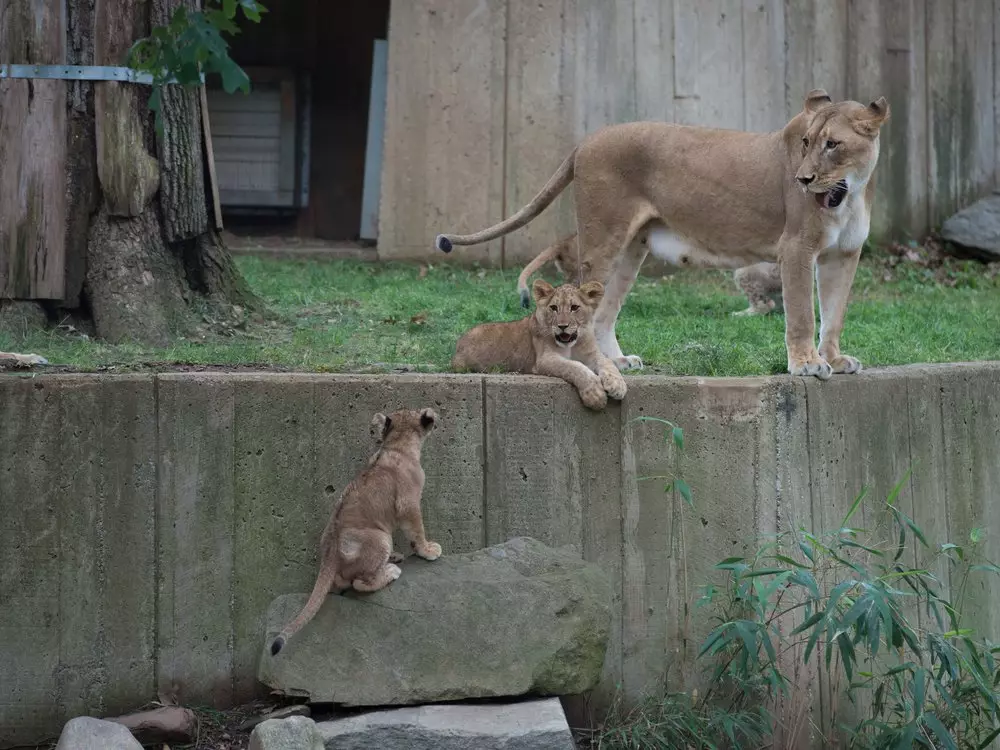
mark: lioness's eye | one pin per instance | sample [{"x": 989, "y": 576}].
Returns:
[
  {"x": 554, "y": 308},
  {"x": 574, "y": 308},
  {"x": 832, "y": 145}
]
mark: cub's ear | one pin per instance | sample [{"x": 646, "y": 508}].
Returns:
[
  {"x": 380, "y": 425},
  {"x": 816, "y": 99},
  {"x": 541, "y": 290},
  {"x": 428, "y": 419},
  {"x": 592, "y": 292},
  {"x": 875, "y": 115}
]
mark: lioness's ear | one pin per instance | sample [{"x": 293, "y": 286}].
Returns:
[
  {"x": 428, "y": 418},
  {"x": 816, "y": 99},
  {"x": 875, "y": 116},
  {"x": 593, "y": 292},
  {"x": 541, "y": 290},
  {"x": 380, "y": 425}
]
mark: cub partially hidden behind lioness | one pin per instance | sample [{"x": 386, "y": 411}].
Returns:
[
  {"x": 356, "y": 547},
  {"x": 557, "y": 339}
]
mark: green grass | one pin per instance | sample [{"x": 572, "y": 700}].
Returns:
[{"x": 350, "y": 316}]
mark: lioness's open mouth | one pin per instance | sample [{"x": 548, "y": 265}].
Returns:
[
  {"x": 834, "y": 196},
  {"x": 565, "y": 338}
]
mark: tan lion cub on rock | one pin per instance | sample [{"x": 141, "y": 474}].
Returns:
[
  {"x": 356, "y": 547},
  {"x": 557, "y": 340}
]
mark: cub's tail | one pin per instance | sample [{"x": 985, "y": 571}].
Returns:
[
  {"x": 323, "y": 583},
  {"x": 556, "y": 184},
  {"x": 540, "y": 260}
]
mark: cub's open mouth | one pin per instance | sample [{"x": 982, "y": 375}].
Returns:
[
  {"x": 834, "y": 196},
  {"x": 565, "y": 338}
]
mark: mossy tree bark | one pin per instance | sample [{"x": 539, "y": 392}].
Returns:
[{"x": 152, "y": 255}]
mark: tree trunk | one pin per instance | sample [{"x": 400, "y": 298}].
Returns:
[{"x": 150, "y": 249}]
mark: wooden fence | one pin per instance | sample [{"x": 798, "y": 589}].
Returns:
[{"x": 486, "y": 97}]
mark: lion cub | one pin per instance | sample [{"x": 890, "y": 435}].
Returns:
[
  {"x": 761, "y": 283},
  {"x": 557, "y": 340},
  {"x": 356, "y": 547}
]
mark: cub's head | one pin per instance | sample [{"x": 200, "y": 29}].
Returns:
[
  {"x": 840, "y": 146},
  {"x": 566, "y": 311},
  {"x": 404, "y": 423}
]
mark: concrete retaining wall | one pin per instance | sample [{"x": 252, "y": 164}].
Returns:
[{"x": 149, "y": 520}]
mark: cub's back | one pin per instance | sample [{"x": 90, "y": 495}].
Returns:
[{"x": 504, "y": 347}]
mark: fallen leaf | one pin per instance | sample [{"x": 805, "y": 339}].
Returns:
[
  {"x": 419, "y": 319},
  {"x": 423, "y": 272}
]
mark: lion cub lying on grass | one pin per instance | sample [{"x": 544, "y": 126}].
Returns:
[
  {"x": 557, "y": 340},
  {"x": 356, "y": 547}
]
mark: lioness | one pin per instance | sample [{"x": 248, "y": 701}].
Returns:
[
  {"x": 21, "y": 360},
  {"x": 356, "y": 546},
  {"x": 557, "y": 340},
  {"x": 802, "y": 194},
  {"x": 761, "y": 282}
]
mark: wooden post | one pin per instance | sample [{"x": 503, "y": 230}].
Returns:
[{"x": 32, "y": 153}]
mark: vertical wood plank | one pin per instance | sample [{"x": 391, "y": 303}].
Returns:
[
  {"x": 605, "y": 64},
  {"x": 444, "y": 126},
  {"x": 902, "y": 171},
  {"x": 708, "y": 60},
  {"x": 654, "y": 59},
  {"x": 975, "y": 110},
  {"x": 33, "y": 140},
  {"x": 816, "y": 50},
  {"x": 941, "y": 125},
  {"x": 764, "y": 66},
  {"x": 541, "y": 75}
]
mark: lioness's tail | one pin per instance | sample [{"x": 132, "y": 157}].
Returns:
[
  {"x": 556, "y": 184},
  {"x": 323, "y": 583},
  {"x": 540, "y": 260}
]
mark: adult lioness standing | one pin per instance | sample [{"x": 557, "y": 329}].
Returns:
[{"x": 801, "y": 196}]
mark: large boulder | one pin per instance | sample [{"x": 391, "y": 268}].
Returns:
[
  {"x": 976, "y": 228},
  {"x": 509, "y": 620},
  {"x": 86, "y": 733},
  {"x": 531, "y": 725}
]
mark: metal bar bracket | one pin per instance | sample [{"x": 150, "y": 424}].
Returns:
[{"x": 79, "y": 73}]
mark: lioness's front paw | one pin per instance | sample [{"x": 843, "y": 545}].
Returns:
[
  {"x": 630, "y": 362},
  {"x": 614, "y": 385},
  {"x": 844, "y": 365},
  {"x": 429, "y": 550},
  {"x": 814, "y": 365},
  {"x": 594, "y": 396}
]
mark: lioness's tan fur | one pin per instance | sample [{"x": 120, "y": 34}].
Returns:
[
  {"x": 726, "y": 198},
  {"x": 532, "y": 345},
  {"x": 21, "y": 360},
  {"x": 356, "y": 547}
]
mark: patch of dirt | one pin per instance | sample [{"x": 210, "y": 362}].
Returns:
[{"x": 933, "y": 254}]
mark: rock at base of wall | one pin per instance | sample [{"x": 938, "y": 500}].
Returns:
[
  {"x": 976, "y": 228},
  {"x": 86, "y": 733},
  {"x": 514, "y": 619},
  {"x": 531, "y": 725},
  {"x": 293, "y": 733}
]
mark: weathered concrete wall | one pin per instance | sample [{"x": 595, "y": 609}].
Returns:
[
  {"x": 149, "y": 520},
  {"x": 487, "y": 97}
]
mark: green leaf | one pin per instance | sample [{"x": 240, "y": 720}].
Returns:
[
  {"x": 764, "y": 572},
  {"x": 807, "y": 551},
  {"x": 233, "y": 78},
  {"x": 916, "y": 530},
  {"x": 944, "y": 737},
  {"x": 808, "y": 623},
  {"x": 854, "y": 506},
  {"x": 976, "y": 535},
  {"x": 894, "y": 493},
  {"x": 682, "y": 487},
  {"x": 907, "y": 737},
  {"x": 989, "y": 567},
  {"x": 678, "y": 435},
  {"x": 989, "y": 739},
  {"x": 790, "y": 561},
  {"x": 730, "y": 561}
]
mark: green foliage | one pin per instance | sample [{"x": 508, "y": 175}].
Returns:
[
  {"x": 191, "y": 45},
  {"x": 855, "y": 601}
]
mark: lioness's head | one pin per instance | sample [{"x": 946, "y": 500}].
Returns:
[
  {"x": 403, "y": 423},
  {"x": 567, "y": 310},
  {"x": 840, "y": 146}
]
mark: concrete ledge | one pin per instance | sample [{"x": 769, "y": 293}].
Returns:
[{"x": 150, "y": 519}]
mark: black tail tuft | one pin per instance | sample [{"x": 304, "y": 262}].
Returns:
[
  {"x": 443, "y": 244},
  {"x": 276, "y": 646},
  {"x": 525, "y": 298}
]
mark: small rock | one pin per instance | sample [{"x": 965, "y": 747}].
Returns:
[
  {"x": 976, "y": 228},
  {"x": 514, "y": 619},
  {"x": 281, "y": 713},
  {"x": 161, "y": 725},
  {"x": 294, "y": 733},
  {"x": 86, "y": 733},
  {"x": 532, "y": 725}
]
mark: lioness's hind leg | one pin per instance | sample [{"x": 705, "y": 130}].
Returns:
[
  {"x": 378, "y": 580},
  {"x": 621, "y": 278}
]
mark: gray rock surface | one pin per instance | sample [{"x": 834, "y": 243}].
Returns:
[
  {"x": 513, "y": 619},
  {"x": 87, "y": 733},
  {"x": 977, "y": 228},
  {"x": 531, "y": 725},
  {"x": 293, "y": 733}
]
